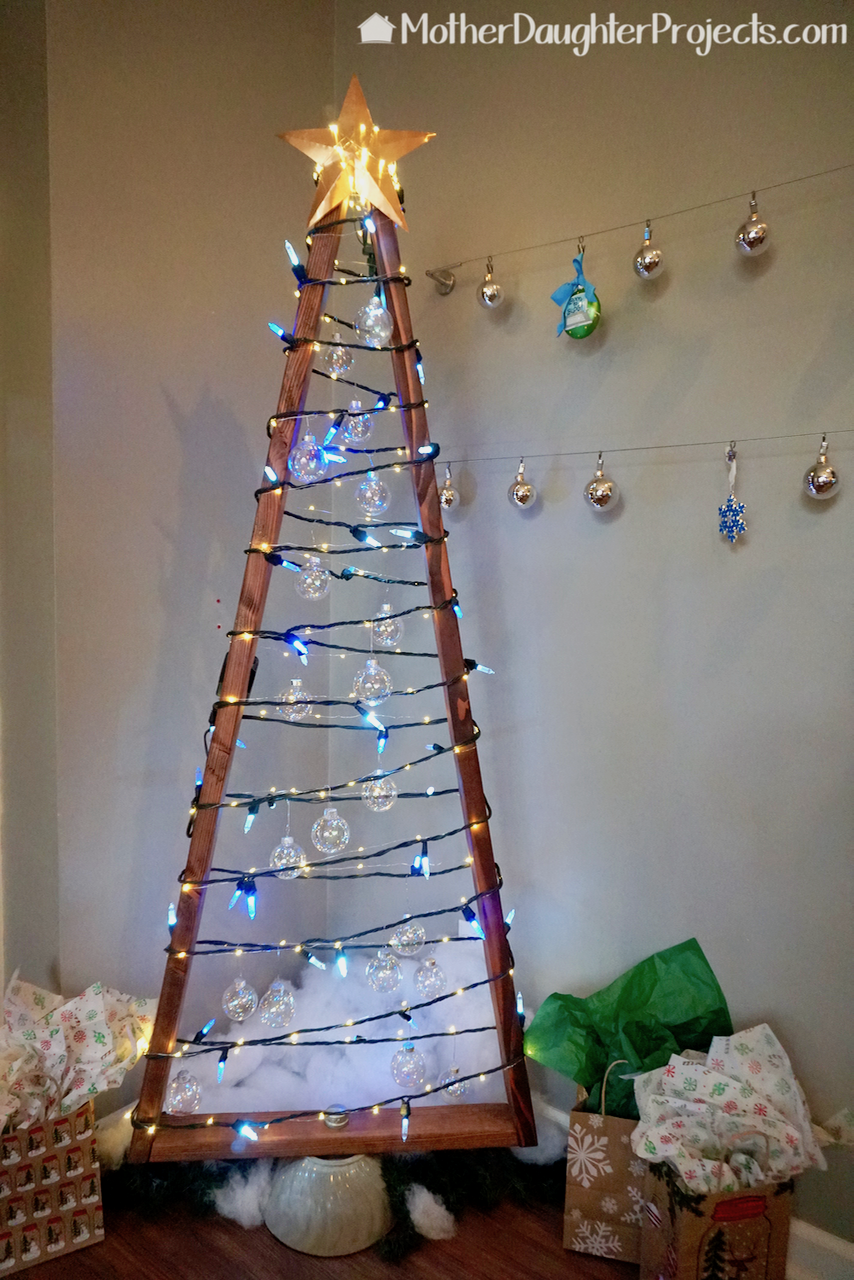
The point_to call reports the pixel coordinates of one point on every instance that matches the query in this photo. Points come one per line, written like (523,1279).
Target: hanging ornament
(184,1095)
(430,978)
(448,496)
(240,1000)
(580,309)
(408,1067)
(330,834)
(307,462)
(288,858)
(732,524)
(451,1083)
(383,972)
(407,939)
(373,324)
(489,294)
(337,359)
(752,236)
(521,493)
(648,258)
(601,492)
(821,481)
(379,793)
(295,702)
(372,685)
(277,1005)
(357,426)
(313,581)
(387,630)
(372,495)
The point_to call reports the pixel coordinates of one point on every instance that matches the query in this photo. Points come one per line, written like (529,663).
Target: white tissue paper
(736,1120)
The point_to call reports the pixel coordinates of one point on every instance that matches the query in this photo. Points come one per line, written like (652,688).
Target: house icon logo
(376,30)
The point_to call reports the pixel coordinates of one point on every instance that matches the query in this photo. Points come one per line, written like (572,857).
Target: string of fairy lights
(368,708)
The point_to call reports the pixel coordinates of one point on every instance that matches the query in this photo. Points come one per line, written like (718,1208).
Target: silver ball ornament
(601,492)
(752,236)
(521,493)
(648,259)
(821,481)
(489,294)
(448,495)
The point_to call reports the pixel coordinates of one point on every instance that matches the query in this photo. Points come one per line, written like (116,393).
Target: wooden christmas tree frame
(160,1136)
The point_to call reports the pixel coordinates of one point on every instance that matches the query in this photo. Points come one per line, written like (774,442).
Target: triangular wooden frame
(158,1136)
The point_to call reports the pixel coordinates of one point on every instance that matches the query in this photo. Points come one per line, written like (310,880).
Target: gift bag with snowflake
(604,1185)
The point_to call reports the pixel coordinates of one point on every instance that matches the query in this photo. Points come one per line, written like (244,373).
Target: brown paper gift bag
(604,1184)
(50,1190)
(741,1233)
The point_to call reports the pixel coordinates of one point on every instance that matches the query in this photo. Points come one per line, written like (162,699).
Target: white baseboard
(813,1254)
(817,1255)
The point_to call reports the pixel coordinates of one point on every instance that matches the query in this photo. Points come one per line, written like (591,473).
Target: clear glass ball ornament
(451,1083)
(307,461)
(288,858)
(240,1000)
(337,360)
(448,496)
(277,1005)
(330,834)
(357,426)
(383,973)
(430,978)
(408,1067)
(373,684)
(295,702)
(373,496)
(407,939)
(388,631)
(313,581)
(184,1095)
(373,324)
(379,793)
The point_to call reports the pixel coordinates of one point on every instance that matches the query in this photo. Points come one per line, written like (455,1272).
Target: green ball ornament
(581,316)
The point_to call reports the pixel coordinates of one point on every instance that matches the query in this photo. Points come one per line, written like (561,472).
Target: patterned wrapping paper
(738,1121)
(60,1053)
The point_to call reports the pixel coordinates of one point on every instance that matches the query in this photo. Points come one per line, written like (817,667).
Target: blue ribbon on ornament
(566,291)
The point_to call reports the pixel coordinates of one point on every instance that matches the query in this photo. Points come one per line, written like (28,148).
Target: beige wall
(667,743)
(28,834)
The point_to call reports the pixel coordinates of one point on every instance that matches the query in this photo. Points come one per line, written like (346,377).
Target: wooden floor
(510,1243)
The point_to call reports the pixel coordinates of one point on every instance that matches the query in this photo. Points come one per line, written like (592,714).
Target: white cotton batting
(244,1197)
(429,1215)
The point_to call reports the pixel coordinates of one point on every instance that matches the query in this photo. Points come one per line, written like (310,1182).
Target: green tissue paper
(670,1002)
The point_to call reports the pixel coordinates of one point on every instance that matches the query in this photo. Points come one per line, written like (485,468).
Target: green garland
(461,1179)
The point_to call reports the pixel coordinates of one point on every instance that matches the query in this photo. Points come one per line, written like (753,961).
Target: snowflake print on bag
(587,1156)
(638,1168)
(595,1121)
(597,1238)
(635,1213)
(609,1204)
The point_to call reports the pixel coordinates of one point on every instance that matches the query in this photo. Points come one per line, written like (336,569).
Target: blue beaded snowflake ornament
(732,522)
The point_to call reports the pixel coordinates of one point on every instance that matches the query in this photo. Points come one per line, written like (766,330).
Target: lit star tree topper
(355,159)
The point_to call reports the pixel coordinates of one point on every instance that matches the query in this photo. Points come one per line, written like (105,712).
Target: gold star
(358,160)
